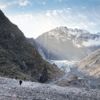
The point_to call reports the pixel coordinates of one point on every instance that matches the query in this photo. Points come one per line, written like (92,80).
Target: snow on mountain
(64,65)
(65,43)
(77,35)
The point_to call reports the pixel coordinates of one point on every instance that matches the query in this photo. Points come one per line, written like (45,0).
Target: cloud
(72,19)
(42,2)
(91,43)
(3,6)
(23,2)
(34,24)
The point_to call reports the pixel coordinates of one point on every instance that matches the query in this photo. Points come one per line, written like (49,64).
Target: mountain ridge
(77,43)
(18,58)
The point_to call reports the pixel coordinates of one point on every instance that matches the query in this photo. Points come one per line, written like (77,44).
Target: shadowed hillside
(18,58)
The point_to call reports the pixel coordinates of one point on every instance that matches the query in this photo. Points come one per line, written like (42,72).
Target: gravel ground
(11,90)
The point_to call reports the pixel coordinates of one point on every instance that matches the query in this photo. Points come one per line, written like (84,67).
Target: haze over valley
(49,50)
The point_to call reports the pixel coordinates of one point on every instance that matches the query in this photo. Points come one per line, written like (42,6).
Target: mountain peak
(2,16)
(76,42)
(62,27)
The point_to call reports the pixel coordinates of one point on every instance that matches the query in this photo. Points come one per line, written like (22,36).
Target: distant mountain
(65,43)
(18,58)
(91,64)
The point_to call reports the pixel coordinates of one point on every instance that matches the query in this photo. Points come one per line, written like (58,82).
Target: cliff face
(91,64)
(18,58)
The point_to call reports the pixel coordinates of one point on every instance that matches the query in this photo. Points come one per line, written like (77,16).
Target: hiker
(20,82)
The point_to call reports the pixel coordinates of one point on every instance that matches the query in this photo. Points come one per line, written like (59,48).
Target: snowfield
(64,65)
(11,90)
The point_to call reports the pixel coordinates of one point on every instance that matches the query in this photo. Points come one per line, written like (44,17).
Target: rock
(10,90)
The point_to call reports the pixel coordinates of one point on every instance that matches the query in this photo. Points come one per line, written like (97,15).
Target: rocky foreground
(11,90)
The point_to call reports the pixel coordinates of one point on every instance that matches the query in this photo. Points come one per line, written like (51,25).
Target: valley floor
(11,90)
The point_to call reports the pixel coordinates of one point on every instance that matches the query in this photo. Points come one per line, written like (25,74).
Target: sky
(35,17)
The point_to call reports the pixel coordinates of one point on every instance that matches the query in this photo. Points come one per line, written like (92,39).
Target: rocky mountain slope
(91,64)
(11,90)
(18,58)
(66,43)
